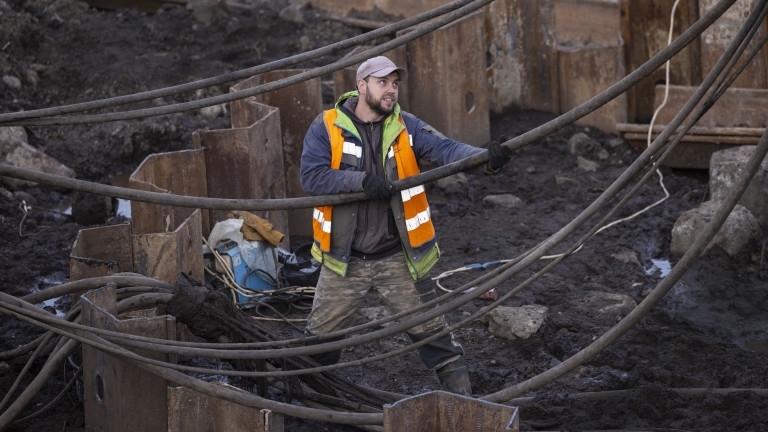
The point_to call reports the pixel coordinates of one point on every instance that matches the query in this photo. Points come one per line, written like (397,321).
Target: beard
(376,106)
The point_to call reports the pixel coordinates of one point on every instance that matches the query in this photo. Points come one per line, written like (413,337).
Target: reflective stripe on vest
(322,216)
(418,218)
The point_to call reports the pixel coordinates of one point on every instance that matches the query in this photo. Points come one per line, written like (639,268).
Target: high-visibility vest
(418,218)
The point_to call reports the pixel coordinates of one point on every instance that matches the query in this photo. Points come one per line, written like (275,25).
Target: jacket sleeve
(433,147)
(316,175)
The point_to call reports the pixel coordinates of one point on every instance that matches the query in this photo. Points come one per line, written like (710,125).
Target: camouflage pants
(337,300)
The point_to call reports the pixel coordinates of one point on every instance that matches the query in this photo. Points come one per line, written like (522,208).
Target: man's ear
(360,86)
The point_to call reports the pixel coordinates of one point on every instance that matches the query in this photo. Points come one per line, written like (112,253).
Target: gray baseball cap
(379,67)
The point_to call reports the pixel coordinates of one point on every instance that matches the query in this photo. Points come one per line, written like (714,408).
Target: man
(388,241)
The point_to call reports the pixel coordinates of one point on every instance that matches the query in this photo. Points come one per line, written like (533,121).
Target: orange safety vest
(418,218)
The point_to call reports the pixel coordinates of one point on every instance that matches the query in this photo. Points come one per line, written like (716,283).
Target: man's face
(380,94)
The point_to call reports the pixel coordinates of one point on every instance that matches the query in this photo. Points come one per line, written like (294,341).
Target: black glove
(377,187)
(498,156)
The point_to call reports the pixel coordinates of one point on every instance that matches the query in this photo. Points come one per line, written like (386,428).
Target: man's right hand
(377,187)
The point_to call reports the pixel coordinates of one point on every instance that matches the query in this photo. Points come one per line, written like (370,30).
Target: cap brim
(386,71)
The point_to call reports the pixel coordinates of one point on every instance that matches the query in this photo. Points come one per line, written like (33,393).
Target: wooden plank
(585,72)
(743,107)
(696,130)
(440,411)
(689,153)
(522,51)
(738,117)
(716,39)
(447,80)
(246,162)
(164,254)
(101,251)
(645,30)
(192,411)
(713,139)
(118,396)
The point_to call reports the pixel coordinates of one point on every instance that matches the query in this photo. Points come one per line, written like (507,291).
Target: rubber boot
(454,377)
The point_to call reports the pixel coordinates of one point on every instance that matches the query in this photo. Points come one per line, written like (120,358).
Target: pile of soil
(707,333)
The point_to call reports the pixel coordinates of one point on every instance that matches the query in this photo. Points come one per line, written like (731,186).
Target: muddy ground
(706,334)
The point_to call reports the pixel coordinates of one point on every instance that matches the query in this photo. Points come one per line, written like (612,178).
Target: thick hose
(629,321)
(237,75)
(463,11)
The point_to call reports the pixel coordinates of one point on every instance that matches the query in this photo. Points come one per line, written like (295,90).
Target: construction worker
(386,242)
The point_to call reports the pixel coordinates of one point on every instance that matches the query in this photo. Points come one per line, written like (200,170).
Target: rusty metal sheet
(101,251)
(448,82)
(120,397)
(523,55)
(243,112)
(645,29)
(246,163)
(163,255)
(587,22)
(298,104)
(192,411)
(716,39)
(440,411)
(585,72)
(180,173)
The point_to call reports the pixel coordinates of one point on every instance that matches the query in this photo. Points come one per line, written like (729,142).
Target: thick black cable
(690,256)
(237,75)
(708,16)
(166,372)
(432,175)
(631,319)
(52,402)
(27,366)
(263,88)
(83,285)
(63,349)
